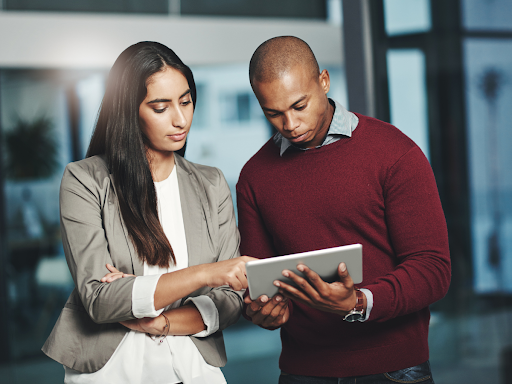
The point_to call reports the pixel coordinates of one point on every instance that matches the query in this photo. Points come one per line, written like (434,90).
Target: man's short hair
(277,56)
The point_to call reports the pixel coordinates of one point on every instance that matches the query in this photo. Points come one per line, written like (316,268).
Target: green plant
(31,150)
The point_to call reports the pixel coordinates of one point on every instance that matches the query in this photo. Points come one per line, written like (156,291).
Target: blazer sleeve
(84,194)
(228,302)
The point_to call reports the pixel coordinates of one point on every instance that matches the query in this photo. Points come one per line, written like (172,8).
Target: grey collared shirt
(343,124)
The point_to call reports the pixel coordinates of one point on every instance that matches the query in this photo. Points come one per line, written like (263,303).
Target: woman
(135,205)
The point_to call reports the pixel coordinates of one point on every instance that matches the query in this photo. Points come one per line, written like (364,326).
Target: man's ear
(325,80)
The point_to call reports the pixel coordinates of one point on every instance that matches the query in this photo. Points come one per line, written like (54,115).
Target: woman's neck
(160,163)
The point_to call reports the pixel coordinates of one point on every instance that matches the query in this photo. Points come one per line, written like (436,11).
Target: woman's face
(166,113)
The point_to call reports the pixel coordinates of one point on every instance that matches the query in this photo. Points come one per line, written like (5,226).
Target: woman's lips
(178,136)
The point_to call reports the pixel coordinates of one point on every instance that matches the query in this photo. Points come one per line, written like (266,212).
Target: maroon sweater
(375,188)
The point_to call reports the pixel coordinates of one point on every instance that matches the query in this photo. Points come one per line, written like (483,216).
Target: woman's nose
(178,118)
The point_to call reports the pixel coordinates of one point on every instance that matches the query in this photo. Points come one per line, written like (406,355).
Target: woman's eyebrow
(158,101)
(185,93)
(167,100)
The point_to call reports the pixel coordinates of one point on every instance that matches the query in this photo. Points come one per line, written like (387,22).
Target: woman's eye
(186,103)
(159,110)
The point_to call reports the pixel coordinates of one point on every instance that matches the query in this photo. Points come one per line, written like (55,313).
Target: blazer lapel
(138,267)
(193,210)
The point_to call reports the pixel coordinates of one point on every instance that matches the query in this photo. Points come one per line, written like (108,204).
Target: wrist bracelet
(165,331)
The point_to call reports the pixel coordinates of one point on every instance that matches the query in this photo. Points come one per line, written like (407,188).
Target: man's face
(297,106)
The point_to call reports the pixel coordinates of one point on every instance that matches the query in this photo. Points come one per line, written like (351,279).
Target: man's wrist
(358,311)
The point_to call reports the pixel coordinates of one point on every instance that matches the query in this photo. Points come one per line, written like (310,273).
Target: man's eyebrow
(167,100)
(301,99)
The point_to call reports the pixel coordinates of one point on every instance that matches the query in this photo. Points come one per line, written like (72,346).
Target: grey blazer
(93,233)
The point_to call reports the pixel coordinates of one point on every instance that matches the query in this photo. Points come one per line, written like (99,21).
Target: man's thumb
(342,270)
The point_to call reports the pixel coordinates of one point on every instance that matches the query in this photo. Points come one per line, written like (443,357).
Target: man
(329,178)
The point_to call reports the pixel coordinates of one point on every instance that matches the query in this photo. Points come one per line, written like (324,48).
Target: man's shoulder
(383,136)
(269,152)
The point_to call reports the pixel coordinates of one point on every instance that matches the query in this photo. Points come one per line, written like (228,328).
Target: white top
(139,359)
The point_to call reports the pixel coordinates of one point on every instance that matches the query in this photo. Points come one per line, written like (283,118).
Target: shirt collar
(343,123)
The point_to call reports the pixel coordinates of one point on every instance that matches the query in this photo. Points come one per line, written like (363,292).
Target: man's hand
(338,297)
(269,314)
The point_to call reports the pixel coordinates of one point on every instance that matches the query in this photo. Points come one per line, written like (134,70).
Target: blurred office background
(440,70)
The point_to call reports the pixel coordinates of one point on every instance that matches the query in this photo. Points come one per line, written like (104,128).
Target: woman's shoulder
(90,164)
(92,170)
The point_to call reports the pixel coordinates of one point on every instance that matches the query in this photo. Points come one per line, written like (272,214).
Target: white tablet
(261,274)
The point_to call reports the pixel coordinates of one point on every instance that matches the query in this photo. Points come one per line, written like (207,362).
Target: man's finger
(302,285)
(256,305)
(270,320)
(261,316)
(314,279)
(291,292)
(344,276)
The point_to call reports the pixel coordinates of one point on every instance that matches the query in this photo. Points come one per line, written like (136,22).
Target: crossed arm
(184,320)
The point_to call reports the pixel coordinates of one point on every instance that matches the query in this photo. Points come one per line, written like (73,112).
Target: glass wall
(307,9)
(408,94)
(449,81)
(36,112)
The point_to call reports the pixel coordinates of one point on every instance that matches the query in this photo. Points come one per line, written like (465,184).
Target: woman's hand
(228,272)
(113,275)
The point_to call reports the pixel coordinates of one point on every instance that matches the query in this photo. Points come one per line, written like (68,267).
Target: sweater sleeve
(255,239)
(418,234)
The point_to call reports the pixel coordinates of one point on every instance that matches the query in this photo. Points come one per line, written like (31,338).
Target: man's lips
(299,138)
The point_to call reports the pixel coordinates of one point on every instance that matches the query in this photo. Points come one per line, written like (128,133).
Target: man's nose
(290,122)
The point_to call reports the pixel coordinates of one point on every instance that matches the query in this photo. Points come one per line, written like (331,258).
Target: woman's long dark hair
(118,136)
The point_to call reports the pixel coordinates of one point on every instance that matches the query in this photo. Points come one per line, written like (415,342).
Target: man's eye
(186,103)
(300,108)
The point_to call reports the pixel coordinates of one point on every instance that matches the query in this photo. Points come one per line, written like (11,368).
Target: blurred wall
(68,40)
